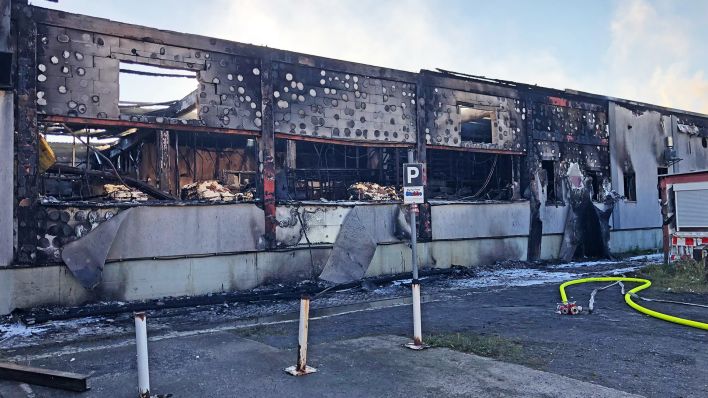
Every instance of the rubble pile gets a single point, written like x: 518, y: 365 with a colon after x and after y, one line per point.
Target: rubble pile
x: 123, y: 193
x: 372, y: 191
x: 212, y: 190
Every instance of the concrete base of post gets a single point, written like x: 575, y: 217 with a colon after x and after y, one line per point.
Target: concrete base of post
x: 294, y: 371
x: 413, y: 346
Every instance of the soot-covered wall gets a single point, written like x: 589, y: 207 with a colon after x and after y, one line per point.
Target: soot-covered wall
x: 571, y: 131
x: 443, y: 125
x: 328, y: 104
x: 78, y: 75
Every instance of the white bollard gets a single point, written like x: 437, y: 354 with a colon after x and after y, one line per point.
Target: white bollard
x: 301, y: 368
x: 417, y: 343
x: 417, y: 328
x: 141, y: 344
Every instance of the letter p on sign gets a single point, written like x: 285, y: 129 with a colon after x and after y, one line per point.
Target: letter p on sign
x: 412, y: 174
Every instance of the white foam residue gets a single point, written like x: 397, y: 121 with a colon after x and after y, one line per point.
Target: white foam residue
x: 625, y: 270
x: 406, y: 281
x: 648, y: 257
x: 8, y: 331
x: 513, y: 277
x: 583, y: 264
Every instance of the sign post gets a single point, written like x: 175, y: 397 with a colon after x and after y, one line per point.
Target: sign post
x: 413, y: 194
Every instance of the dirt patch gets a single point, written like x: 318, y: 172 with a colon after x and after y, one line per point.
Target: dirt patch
x: 260, y: 331
x: 491, y: 346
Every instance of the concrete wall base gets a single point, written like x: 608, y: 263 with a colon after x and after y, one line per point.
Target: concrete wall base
x: 151, y: 279
x: 622, y: 241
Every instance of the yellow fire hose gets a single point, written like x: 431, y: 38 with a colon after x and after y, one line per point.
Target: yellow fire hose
x: 645, y: 283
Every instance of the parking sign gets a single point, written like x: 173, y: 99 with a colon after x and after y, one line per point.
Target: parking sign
x: 413, y: 183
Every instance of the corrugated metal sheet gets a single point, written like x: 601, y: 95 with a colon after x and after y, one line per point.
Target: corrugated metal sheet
x: 692, y: 208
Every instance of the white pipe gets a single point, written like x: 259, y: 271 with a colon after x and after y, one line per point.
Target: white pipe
x: 417, y: 327
x: 142, y: 348
x: 302, y: 334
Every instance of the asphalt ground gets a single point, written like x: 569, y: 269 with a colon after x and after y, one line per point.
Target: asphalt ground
x: 240, y: 349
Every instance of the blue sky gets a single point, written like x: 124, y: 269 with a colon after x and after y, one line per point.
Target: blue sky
x: 651, y: 51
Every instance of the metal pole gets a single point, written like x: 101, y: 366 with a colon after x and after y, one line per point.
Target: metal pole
x: 417, y: 343
x: 142, y: 348
x: 414, y: 242
x: 301, y: 368
x: 414, y: 232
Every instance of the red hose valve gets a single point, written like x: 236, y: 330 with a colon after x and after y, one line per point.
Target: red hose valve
x: 568, y: 308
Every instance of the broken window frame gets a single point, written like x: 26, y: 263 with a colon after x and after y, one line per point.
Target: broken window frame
x: 492, y: 111
x: 500, y: 176
x: 629, y: 179
x: 184, y: 106
x: 555, y: 182
x: 87, y: 177
x: 325, y: 171
x: 596, y: 185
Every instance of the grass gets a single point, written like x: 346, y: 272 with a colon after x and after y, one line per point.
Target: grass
x: 491, y: 346
x: 684, y: 276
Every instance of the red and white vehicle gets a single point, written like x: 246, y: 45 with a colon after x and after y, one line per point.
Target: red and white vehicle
x: 684, y: 200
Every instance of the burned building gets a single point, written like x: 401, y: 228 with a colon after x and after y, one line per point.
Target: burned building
x: 279, y: 166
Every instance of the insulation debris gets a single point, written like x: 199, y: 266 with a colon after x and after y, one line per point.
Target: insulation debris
x: 47, y: 158
x: 373, y: 191
x: 212, y: 190
x: 123, y: 193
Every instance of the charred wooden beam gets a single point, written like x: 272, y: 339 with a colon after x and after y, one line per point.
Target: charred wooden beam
x: 386, y: 144
x: 533, y: 249
x: 44, y: 377
x: 162, y: 143
x: 478, y: 150
x: 26, y: 139
x: 425, y: 228
x: 73, y: 121
x: 457, y: 83
x: 291, y: 155
x: 267, y: 153
x: 131, y: 182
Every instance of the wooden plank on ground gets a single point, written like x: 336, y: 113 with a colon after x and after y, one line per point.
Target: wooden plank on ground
x: 44, y: 377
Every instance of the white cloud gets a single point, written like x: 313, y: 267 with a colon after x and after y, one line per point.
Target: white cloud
x: 409, y: 35
x: 649, y: 58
